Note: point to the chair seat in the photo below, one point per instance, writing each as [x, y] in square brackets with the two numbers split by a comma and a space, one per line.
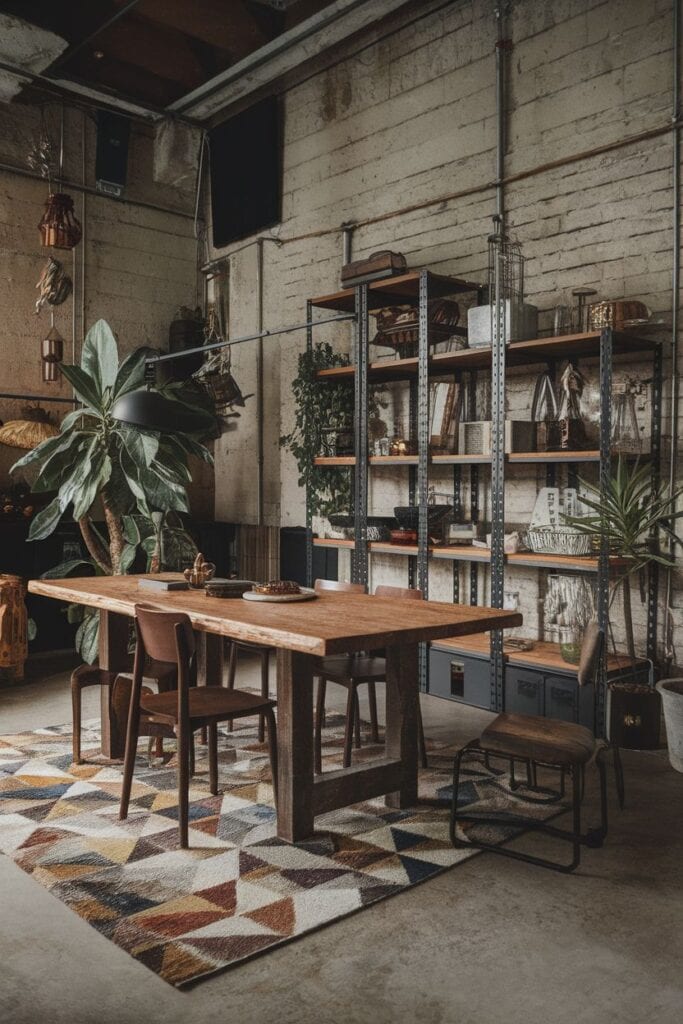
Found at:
[362, 668]
[539, 739]
[206, 703]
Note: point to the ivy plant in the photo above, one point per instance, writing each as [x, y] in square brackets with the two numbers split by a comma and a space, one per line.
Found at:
[320, 405]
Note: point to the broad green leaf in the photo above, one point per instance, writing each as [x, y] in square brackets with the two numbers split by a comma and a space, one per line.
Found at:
[44, 523]
[74, 417]
[31, 629]
[130, 471]
[127, 557]
[64, 569]
[100, 357]
[87, 637]
[61, 465]
[142, 446]
[75, 613]
[100, 471]
[131, 374]
[191, 447]
[85, 387]
[43, 451]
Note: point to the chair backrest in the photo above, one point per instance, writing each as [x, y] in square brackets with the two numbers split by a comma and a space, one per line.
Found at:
[409, 593]
[340, 585]
[166, 637]
[591, 651]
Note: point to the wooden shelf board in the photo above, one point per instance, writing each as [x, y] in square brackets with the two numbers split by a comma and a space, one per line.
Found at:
[403, 288]
[393, 460]
[334, 460]
[468, 553]
[518, 353]
[545, 655]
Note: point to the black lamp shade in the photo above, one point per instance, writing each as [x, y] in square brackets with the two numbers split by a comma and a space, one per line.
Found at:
[152, 411]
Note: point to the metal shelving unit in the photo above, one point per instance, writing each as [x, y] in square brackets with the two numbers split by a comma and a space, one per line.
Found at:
[418, 288]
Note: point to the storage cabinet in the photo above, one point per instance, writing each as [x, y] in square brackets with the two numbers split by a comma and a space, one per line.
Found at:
[459, 678]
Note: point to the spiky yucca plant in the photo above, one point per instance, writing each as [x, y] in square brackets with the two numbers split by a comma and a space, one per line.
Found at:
[633, 518]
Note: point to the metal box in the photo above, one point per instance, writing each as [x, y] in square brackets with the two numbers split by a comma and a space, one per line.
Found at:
[521, 323]
[475, 437]
[460, 678]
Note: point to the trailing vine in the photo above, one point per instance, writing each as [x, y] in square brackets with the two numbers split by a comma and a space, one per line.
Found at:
[320, 405]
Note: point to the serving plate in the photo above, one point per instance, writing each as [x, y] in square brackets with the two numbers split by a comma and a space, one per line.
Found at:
[306, 594]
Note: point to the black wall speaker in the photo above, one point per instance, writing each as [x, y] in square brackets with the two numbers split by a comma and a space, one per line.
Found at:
[111, 161]
[246, 172]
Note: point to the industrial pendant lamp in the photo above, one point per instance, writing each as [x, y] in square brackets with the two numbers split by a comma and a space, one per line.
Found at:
[152, 411]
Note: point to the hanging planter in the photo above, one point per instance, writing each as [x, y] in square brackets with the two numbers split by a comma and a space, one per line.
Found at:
[59, 227]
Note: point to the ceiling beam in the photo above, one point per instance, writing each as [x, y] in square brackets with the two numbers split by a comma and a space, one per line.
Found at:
[332, 25]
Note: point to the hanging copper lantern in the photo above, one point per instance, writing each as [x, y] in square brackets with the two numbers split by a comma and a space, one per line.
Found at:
[51, 353]
[59, 227]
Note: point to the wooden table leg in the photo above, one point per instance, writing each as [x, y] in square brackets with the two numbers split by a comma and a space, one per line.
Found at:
[209, 659]
[113, 655]
[401, 730]
[295, 746]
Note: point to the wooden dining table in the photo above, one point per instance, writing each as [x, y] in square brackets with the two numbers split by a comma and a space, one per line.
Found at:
[301, 632]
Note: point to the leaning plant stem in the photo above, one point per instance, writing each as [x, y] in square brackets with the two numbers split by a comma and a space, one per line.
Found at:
[92, 543]
[628, 620]
[116, 538]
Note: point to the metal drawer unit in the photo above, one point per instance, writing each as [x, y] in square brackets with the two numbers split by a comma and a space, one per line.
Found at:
[524, 692]
[460, 678]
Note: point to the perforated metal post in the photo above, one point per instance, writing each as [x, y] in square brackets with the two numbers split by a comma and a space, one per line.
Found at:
[423, 456]
[497, 479]
[655, 472]
[605, 473]
[309, 511]
[474, 485]
[359, 569]
[412, 471]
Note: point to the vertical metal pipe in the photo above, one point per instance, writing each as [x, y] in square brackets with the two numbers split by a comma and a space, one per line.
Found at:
[347, 243]
[84, 217]
[501, 47]
[259, 384]
[675, 289]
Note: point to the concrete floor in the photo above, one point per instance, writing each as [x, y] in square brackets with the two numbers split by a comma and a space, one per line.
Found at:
[489, 941]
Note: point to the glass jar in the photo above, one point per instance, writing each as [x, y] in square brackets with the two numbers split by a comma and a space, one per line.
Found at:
[570, 644]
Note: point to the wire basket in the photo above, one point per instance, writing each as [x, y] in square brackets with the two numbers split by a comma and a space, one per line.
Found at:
[558, 540]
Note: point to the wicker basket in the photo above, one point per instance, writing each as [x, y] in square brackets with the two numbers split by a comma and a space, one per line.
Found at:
[558, 540]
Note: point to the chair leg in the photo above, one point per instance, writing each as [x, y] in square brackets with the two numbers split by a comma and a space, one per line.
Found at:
[265, 659]
[159, 747]
[76, 715]
[132, 737]
[421, 745]
[183, 787]
[272, 749]
[374, 722]
[213, 758]
[192, 754]
[232, 669]
[356, 721]
[319, 724]
[619, 776]
[350, 720]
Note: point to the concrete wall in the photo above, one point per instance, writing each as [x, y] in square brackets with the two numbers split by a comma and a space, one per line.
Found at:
[134, 268]
[412, 118]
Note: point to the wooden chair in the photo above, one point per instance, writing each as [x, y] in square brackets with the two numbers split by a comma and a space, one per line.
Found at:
[237, 646]
[86, 676]
[353, 671]
[545, 741]
[167, 637]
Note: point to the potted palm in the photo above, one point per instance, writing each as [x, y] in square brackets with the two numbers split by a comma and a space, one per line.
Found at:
[97, 462]
[632, 517]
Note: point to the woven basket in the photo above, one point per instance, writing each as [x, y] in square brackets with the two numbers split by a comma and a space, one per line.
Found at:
[558, 540]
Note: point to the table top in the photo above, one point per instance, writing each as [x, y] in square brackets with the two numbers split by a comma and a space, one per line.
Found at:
[332, 623]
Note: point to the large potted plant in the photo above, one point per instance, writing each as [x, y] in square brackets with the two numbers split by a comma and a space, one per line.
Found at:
[97, 462]
[633, 518]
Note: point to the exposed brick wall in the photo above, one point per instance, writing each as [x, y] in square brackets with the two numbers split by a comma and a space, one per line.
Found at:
[413, 117]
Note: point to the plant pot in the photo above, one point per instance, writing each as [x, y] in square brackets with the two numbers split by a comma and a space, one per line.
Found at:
[671, 692]
[633, 715]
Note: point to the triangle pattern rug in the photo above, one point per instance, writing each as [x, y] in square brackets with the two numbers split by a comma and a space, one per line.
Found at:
[238, 891]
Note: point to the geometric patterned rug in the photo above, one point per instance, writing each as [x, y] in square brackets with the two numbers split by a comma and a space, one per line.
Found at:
[238, 891]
